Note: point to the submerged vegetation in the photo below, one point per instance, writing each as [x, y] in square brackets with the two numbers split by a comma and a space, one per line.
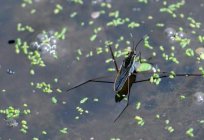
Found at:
[55, 37]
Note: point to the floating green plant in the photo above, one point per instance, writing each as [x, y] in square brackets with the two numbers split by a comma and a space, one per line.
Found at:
[61, 35]
[44, 132]
[169, 128]
[74, 14]
[172, 8]
[146, 42]
[84, 100]
[24, 127]
[54, 100]
[189, 52]
[155, 78]
[26, 2]
[193, 23]
[21, 28]
[58, 9]
[33, 56]
[182, 97]
[139, 120]
[46, 88]
[144, 67]
[10, 112]
[142, 1]
[189, 132]
[64, 130]
[78, 1]
[157, 116]
[133, 25]
[138, 105]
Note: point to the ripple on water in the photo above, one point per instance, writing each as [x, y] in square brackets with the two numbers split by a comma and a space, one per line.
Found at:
[45, 43]
[170, 31]
[198, 98]
[171, 34]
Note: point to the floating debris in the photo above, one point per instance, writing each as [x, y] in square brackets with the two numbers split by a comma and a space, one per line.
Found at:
[10, 72]
[170, 32]
[11, 41]
[11, 122]
[95, 14]
[200, 52]
[198, 98]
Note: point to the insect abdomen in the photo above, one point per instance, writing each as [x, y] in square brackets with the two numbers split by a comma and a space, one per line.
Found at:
[120, 95]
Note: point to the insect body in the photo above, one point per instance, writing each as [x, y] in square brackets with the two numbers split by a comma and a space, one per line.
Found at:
[125, 77]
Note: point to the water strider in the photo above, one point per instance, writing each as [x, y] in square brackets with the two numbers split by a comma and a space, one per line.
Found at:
[127, 74]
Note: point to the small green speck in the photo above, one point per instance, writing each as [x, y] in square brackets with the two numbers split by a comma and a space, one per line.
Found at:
[189, 132]
[54, 100]
[182, 97]
[64, 130]
[95, 100]
[138, 105]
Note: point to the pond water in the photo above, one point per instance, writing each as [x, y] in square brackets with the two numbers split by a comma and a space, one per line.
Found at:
[171, 110]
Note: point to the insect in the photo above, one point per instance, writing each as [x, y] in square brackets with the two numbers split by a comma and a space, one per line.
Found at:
[126, 75]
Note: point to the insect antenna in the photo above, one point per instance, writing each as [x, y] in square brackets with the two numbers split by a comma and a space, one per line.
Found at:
[135, 48]
[133, 42]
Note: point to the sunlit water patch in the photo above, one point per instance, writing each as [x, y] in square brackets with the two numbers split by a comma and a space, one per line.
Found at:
[46, 44]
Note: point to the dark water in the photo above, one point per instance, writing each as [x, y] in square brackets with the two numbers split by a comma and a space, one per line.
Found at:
[98, 124]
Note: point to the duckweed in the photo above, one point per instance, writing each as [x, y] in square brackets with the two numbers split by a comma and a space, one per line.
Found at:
[139, 120]
[189, 132]
[64, 130]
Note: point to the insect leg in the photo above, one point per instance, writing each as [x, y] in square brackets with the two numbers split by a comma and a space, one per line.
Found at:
[91, 80]
[113, 57]
[168, 74]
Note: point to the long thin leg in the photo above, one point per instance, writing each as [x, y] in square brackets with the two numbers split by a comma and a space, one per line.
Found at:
[102, 81]
[127, 102]
[176, 75]
[114, 60]
[90, 80]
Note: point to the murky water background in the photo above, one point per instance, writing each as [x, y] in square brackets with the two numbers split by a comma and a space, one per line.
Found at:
[98, 124]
